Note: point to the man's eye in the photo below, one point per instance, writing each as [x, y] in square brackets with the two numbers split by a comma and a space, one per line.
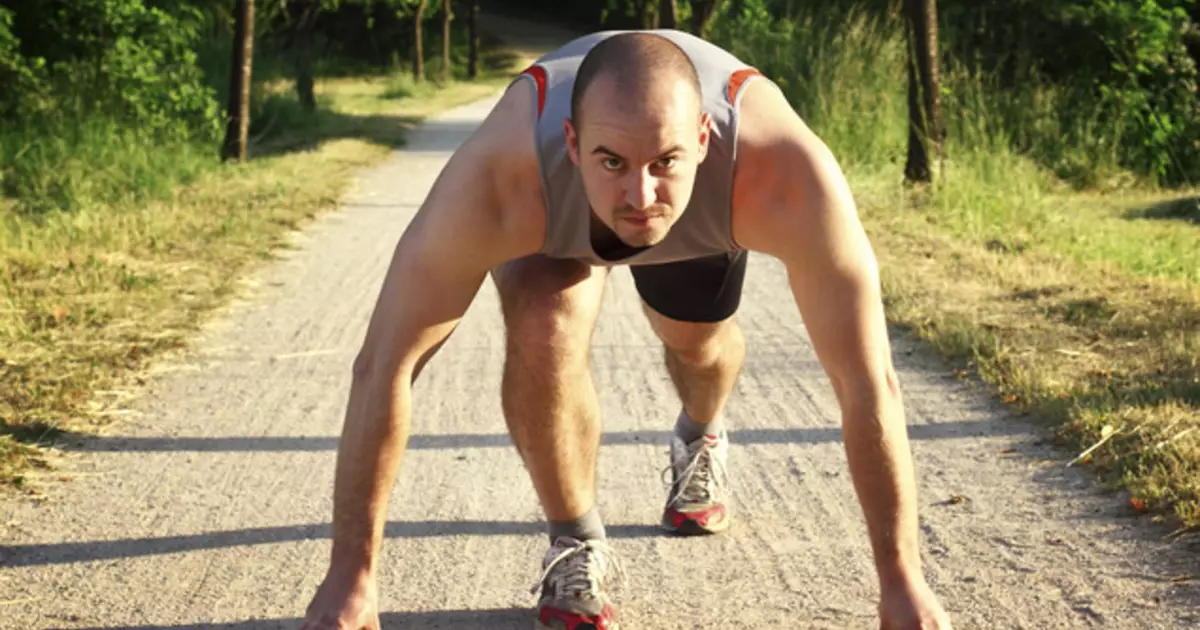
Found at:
[611, 164]
[667, 162]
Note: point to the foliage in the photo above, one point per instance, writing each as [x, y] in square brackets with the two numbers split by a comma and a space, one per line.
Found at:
[120, 57]
[20, 78]
[1084, 86]
[1149, 91]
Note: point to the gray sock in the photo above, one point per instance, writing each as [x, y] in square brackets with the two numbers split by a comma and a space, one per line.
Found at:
[689, 430]
[586, 527]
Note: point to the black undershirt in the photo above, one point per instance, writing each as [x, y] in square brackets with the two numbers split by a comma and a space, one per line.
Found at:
[607, 245]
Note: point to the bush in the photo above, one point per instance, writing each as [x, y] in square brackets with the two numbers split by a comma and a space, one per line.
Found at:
[1085, 87]
[119, 57]
[108, 99]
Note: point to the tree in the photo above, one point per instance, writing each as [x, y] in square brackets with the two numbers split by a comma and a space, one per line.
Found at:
[418, 50]
[703, 12]
[238, 125]
[643, 12]
[924, 102]
[472, 38]
[669, 13]
[447, 16]
[302, 15]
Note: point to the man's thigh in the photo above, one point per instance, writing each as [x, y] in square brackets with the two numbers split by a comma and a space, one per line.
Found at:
[543, 298]
[702, 290]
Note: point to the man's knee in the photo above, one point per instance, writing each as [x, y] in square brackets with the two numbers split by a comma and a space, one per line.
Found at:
[549, 309]
[695, 343]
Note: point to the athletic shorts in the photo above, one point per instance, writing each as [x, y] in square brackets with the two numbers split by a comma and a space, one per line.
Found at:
[705, 289]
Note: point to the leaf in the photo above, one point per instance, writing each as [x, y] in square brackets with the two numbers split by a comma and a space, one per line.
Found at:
[1138, 504]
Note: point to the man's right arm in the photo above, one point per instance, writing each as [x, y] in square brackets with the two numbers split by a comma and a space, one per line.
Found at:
[459, 234]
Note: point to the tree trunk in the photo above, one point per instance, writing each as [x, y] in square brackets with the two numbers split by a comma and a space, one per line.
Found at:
[703, 12]
[473, 39]
[304, 15]
[419, 50]
[924, 101]
[238, 117]
[643, 18]
[670, 14]
[447, 17]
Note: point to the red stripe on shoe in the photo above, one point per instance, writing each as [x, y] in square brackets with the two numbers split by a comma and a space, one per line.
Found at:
[575, 621]
[701, 517]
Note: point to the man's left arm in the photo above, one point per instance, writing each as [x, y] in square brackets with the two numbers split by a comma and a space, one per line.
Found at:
[802, 212]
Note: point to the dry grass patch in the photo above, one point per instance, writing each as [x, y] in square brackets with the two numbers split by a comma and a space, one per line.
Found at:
[1108, 357]
[90, 296]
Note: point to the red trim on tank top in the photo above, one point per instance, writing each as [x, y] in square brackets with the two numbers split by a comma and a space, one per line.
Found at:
[738, 79]
[538, 74]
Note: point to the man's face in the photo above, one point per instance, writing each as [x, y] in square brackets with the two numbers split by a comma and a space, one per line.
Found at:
[638, 160]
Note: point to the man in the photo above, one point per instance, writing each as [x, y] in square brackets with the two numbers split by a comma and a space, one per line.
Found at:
[659, 151]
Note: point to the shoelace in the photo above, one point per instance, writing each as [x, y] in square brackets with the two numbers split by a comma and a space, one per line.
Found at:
[583, 564]
[703, 471]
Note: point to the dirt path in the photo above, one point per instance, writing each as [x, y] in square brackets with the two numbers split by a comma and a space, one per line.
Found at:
[211, 507]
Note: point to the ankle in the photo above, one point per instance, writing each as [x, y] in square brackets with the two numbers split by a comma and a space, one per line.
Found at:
[689, 430]
[588, 526]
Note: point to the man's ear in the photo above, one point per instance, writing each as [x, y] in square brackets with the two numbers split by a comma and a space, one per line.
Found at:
[705, 134]
[572, 140]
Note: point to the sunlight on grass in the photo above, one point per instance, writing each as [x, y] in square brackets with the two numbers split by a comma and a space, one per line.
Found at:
[93, 293]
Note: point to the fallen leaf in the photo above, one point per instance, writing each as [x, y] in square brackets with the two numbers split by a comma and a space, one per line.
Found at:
[60, 313]
[1006, 451]
[1138, 504]
[957, 499]
[1011, 398]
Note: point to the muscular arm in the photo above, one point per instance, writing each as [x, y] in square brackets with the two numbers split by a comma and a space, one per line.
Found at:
[457, 236]
[798, 208]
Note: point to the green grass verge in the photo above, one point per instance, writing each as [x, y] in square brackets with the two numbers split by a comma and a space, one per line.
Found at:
[94, 292]
[1105, 350]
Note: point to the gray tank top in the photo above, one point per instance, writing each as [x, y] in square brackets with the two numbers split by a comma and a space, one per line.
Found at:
[705, 227]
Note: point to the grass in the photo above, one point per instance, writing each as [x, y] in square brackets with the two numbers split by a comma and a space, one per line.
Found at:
[1069, 286]
[1096, 350]
[93, 293]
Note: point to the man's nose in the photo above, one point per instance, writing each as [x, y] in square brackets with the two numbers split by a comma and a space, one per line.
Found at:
[640, 190]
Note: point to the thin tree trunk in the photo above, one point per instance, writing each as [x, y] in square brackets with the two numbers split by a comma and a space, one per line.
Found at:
[238, 126]
[473, 39]
[924, 101]
[304, 15]
[670, 14]
[419, 51]
[642, 14]
[703, 12]
[447, 17]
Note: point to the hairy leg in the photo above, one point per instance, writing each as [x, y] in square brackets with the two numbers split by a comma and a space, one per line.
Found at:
[550, 405]
[703, 359]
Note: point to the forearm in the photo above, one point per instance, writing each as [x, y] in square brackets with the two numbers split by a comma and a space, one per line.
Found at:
[877, 450]
[369, 455]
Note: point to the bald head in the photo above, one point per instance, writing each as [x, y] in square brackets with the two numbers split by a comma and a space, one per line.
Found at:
[633, 67]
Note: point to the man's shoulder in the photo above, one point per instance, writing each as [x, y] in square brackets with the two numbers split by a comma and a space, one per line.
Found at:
[774, 144]
[504, 156]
